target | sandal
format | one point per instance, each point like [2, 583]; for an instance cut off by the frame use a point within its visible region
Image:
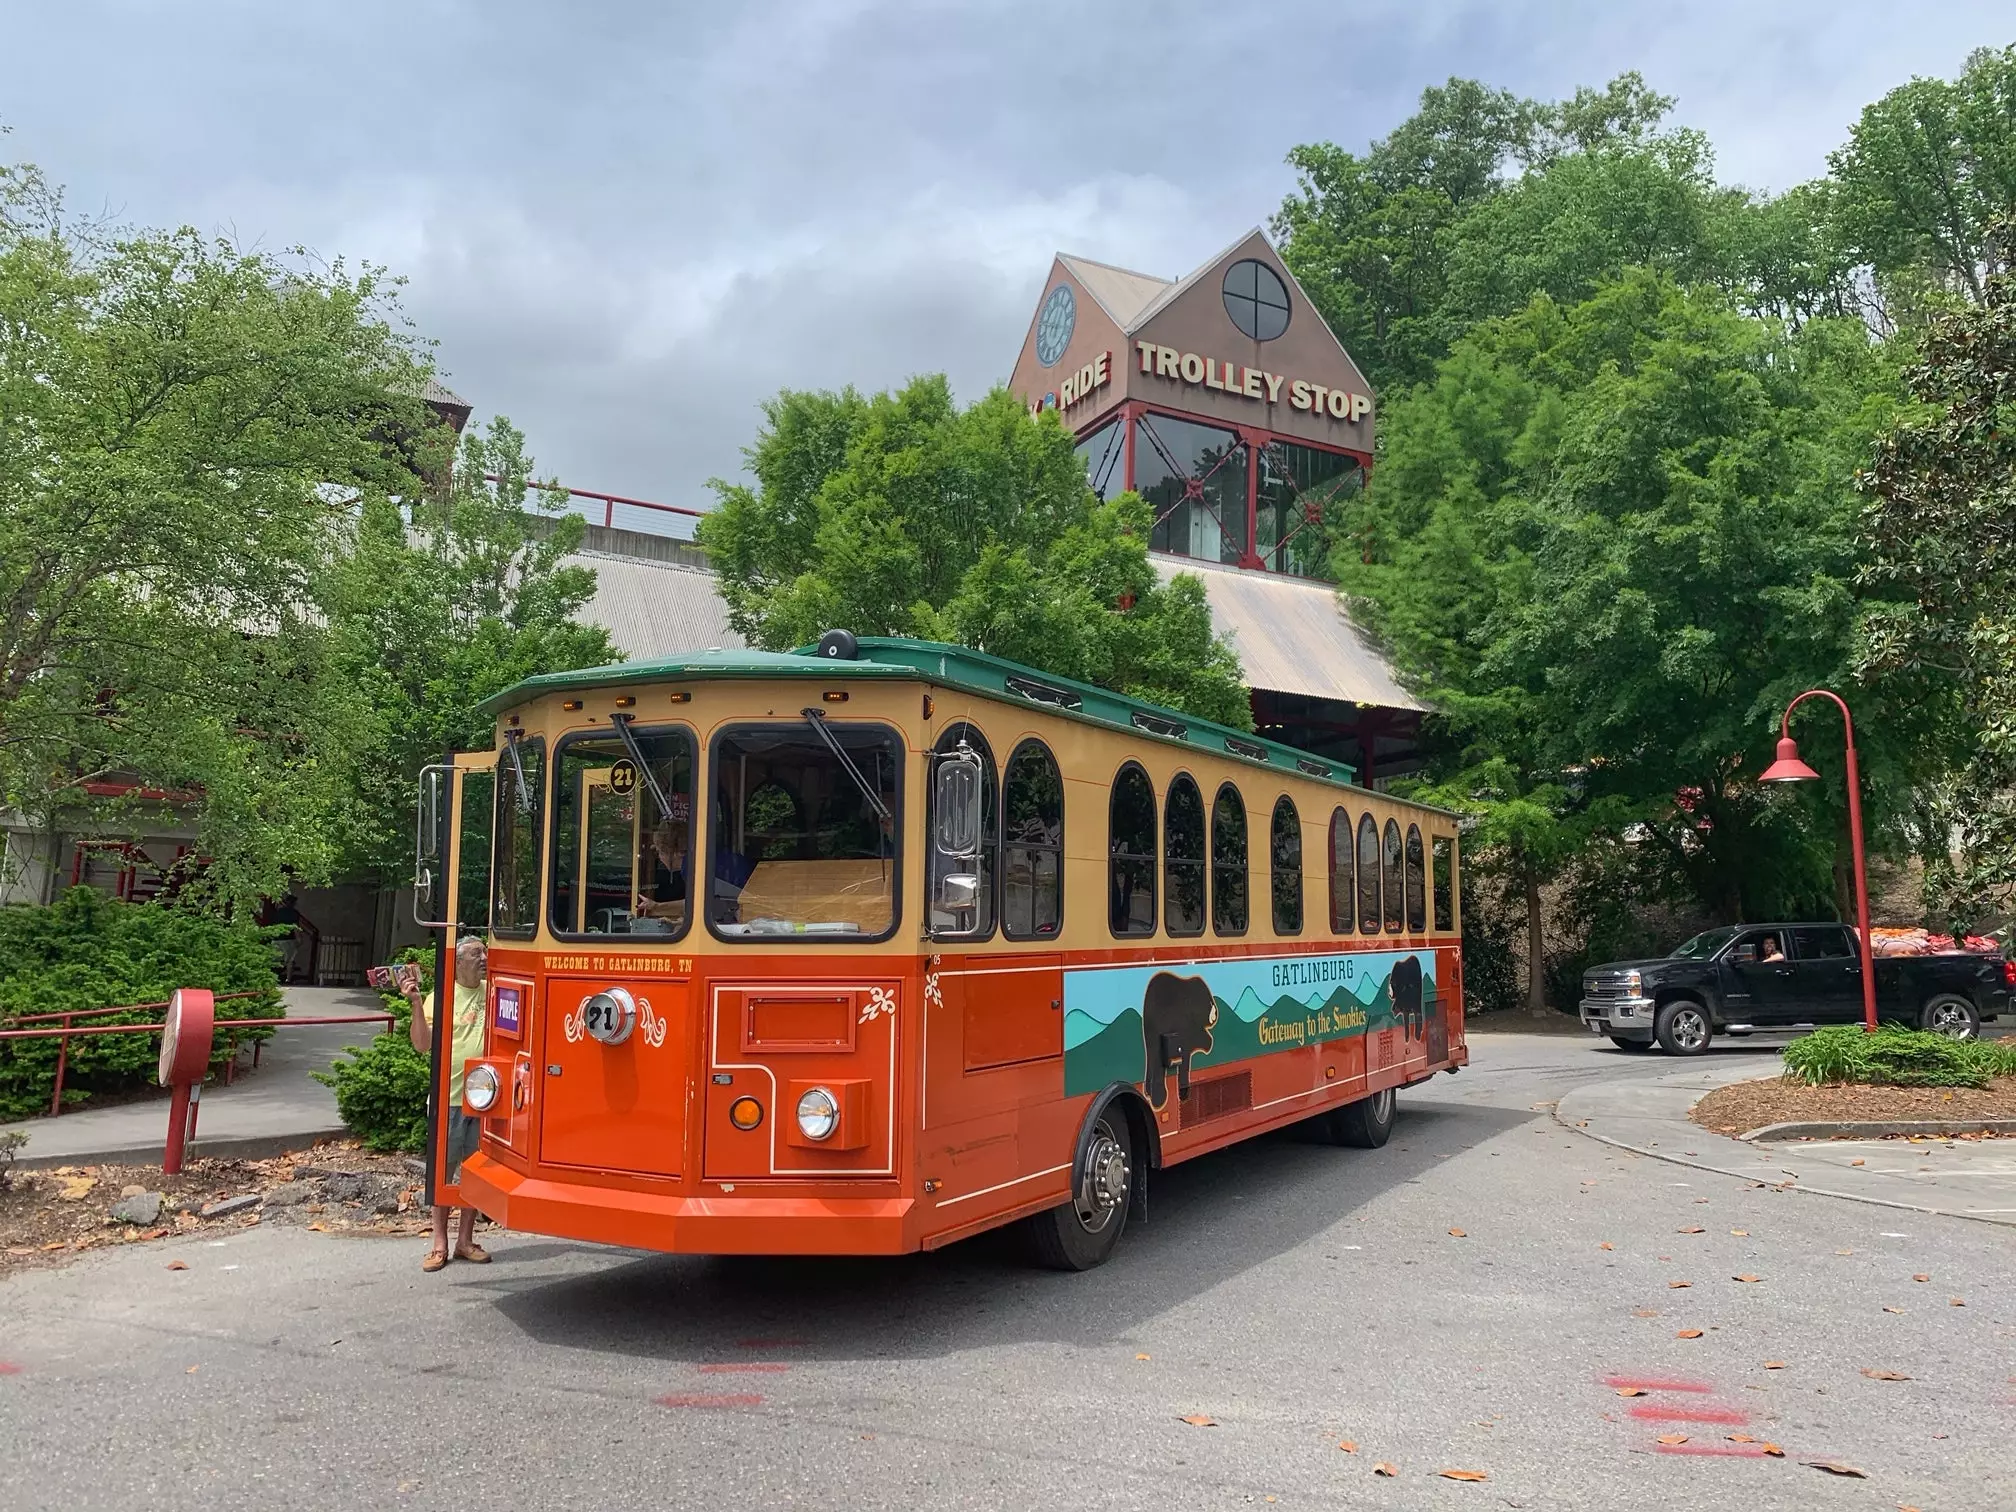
[474, 1253]
[435, 1260]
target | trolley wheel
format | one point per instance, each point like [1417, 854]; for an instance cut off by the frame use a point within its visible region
[1365, 1124]
[1953, 1016]
[1684, 1028]
[1081, 1233]
[1624, 1042]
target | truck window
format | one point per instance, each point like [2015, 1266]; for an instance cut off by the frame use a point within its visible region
[1823, 944]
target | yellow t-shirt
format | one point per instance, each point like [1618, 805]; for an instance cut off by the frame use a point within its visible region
[465, 1036]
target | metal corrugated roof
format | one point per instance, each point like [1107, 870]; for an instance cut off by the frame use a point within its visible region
[1292, 635]
[1123, 294]
[656, 609]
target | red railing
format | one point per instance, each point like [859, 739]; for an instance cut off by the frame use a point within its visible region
[608, 501]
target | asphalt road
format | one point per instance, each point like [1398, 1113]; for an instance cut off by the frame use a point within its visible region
[1298, 1295]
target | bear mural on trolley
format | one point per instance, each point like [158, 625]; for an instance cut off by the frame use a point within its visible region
[1148, 1025]
[1177, 1016]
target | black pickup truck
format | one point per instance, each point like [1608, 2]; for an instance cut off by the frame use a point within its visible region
[1754, 977]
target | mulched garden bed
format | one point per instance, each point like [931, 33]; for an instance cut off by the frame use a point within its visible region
[1751, 1105]
[49, 1217]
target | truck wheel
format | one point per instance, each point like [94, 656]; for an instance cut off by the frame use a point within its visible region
[1630, 1044]
[1365, 1124]
[1684, 1028]
[1081, 1233]
[1952, 1016]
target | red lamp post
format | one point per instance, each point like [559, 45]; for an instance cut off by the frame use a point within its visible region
[1789, 768]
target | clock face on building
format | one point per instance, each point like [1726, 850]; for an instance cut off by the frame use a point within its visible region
[1054, 324]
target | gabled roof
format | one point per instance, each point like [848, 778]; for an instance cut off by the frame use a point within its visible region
[1121, 293]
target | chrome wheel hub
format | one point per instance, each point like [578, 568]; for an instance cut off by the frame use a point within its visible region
[1103, 1191]
[1952, 1020]
[1689, 1031]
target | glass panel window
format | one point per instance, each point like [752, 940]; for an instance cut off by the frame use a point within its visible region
[1417, 895]
[1391, 876]
[521, 809]
[1228, 862]
[1183, 868]
[1256, 299]
[1130, 851]
[1368, 876]
[473, 850]
[1340, 872]
[1300, 498]
[1284, 851]
[1194, 478]
[622, 835]
[985, 866]
[1445, 882]
[804, 836]
[1032, 844]
[1104, 454]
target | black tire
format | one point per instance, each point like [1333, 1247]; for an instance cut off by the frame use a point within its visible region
[1684, 1028]
[1081, 1233]
[1365, 1124]
[1623, 1043]
[1951, 1015]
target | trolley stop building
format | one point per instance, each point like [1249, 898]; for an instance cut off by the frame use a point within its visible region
[1226, 402]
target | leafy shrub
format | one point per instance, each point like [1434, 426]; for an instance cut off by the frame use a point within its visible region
[1895, 1056]
[381, 1088]
[89, 951]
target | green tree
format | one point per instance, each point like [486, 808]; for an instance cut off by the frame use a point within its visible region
[1940, 529]
[439, 603]
[906, 515]
[185, 426]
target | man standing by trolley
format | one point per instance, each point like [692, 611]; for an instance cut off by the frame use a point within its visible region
[465, 1041]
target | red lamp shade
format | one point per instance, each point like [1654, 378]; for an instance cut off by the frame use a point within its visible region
[1788, 767]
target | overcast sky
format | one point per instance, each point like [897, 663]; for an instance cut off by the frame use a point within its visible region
[628, 224]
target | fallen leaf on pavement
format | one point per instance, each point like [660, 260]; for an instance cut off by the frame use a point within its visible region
[1463, 1475]
[318, 1228]
[1883, 1375]
[1921, 1277]
[1678, 1285]
[1199, 1420]
[1835, 1467]
[178, 1265]
[1688, 1333]
[1140, 1357]
[1694, 1229]
[1457, 1234]
[1774, 1364]
[1606, 1244]
[192, 1370]
[1629, 1391]
[1746, 1277]
[1857, 1162]
[1773, 1450]
[1644, 1312]
[1347, 1446]
[1955, 1302]
[1893, 1309]
[1741, 1233]
[1740, 1438]
[1382, 1468]
[1672, 1438]
[1844, 1252]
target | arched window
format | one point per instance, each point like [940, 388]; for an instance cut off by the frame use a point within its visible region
[986, 865]
[1032, 844]
[1228, 862]
[1389, 866]
[1284, 853]
[1340, 872]
[1417, 892]
[1183, 853]
[1130, 854]
[1368, 876]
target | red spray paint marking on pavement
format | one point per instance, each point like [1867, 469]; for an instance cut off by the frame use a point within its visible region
[1653, 1384]
[701, 1399]
[8, 1367]
[1716, 1451]
[743, 1367]
[1656, 1414]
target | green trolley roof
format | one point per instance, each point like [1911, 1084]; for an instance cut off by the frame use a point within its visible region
[891, 658]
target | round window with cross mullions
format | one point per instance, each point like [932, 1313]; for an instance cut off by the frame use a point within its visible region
[1256, 299]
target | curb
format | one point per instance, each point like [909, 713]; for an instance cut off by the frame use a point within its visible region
[1772, 1133]
[240, 1147]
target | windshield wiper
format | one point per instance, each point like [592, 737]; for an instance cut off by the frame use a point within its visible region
[511, 739]
[817, 719]
[629, 739]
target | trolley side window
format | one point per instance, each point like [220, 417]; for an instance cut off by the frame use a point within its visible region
[1445, 882]
[623, 834]
[521, 809]
[1340, 872]
[804, 832]
[1284, 853]
[982, 864]
[1032, 844]
[1228, 862]
[1368, 875]
[1183, 868]
[1417, 896]
[1130, 854]
[1390, 876]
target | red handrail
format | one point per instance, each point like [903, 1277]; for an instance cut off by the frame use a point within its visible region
[68, 1013]
[609, 501]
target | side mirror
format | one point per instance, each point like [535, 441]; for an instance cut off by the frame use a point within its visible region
[958, 892]
[430, 825]
[955, 803]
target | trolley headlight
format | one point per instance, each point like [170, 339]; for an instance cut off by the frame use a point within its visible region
[480, 1088]
[818, 1114]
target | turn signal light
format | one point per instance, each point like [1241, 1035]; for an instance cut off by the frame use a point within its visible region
[745, 1113]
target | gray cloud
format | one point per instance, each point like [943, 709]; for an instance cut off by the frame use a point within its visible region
[627, 225]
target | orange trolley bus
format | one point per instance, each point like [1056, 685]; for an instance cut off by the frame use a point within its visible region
[869, 947]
